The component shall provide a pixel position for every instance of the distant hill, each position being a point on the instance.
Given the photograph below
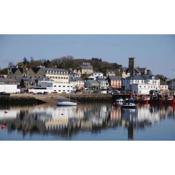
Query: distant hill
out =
(68, 62)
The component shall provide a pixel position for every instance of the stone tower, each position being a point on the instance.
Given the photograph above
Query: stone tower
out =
(131, 65)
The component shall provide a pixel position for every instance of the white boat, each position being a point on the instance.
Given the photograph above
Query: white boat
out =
(129, 104)
(66, 103)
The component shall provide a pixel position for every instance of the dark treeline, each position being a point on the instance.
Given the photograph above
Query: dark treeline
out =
(66, 62)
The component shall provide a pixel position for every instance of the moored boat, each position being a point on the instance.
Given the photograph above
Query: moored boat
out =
(66, 103)
(129, 104)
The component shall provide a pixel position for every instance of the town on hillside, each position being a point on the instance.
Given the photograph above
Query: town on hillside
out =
(84, 77)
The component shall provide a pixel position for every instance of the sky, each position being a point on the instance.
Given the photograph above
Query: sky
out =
(156, 52)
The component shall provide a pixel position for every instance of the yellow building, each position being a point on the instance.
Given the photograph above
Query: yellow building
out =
(86, 68)
(57, 75)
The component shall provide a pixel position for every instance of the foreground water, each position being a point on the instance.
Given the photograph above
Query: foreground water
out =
(88, 122)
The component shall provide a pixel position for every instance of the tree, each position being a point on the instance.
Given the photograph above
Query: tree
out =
(25, 62)
(10, 65)
(163, 79)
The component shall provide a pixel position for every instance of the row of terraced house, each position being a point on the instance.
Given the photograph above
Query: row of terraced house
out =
(55, 80)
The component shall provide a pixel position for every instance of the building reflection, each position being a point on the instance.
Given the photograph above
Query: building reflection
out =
(66, 121)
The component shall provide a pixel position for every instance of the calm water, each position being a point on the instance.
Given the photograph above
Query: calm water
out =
(88, 122)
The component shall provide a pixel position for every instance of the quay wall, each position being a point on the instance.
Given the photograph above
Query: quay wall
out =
(90, 97)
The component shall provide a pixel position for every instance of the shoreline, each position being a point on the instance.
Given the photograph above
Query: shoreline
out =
(51, 99)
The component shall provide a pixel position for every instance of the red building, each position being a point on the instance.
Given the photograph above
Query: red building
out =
(115, 82)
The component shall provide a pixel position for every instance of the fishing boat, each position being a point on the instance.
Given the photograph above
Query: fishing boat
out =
(66, 103)
(129, 104)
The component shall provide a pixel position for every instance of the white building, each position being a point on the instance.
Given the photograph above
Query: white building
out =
(77, 83)
(110, 73)
(104, 84)
(96, 75)
(9, 88)
(62, 87)
(141, 85)
(143, 89)
(52, 87)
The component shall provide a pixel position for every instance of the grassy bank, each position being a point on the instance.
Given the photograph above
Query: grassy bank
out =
(90, 97)
(18, 101)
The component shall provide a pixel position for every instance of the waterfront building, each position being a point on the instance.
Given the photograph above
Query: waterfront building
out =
(9, 88)
(48, 86)
(96, 75)
(55, 74)
(115, 82)
(77, 83)
(86, 68)
(92, 84)
(141, 84)
(103, 83)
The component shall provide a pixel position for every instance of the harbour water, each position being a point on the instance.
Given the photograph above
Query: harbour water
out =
(97, 121)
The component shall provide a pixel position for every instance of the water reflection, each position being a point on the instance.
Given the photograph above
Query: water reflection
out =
(69, 121)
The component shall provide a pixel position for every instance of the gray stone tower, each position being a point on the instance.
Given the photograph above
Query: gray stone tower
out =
(131, 66)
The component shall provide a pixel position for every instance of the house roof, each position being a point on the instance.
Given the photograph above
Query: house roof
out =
(141, 77)
(114, 78)
(7, 81)
(92, 82)
(86, 65)
(55, 69)
(35, 69)
(15, 69)
(75, 79)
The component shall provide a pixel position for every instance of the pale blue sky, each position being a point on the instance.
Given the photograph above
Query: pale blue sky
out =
(156, 52)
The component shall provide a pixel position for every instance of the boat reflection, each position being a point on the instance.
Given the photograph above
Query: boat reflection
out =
(67, 121)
